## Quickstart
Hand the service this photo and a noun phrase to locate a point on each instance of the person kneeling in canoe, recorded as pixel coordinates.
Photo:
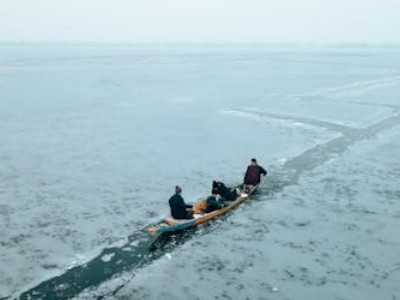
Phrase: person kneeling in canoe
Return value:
(180, 210)
(253, 174)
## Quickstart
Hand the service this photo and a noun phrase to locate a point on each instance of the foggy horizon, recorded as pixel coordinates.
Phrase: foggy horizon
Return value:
(206, 22)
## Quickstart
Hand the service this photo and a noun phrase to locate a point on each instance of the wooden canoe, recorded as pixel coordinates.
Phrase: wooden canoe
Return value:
(171, 225)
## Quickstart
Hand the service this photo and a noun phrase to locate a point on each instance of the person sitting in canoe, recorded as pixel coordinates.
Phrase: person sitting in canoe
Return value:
(180, 210)
(253, 174)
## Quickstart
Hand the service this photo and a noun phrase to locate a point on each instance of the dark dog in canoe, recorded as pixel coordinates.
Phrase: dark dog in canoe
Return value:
(219, 188)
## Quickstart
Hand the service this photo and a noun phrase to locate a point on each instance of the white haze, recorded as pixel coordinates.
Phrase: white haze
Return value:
(206, 21)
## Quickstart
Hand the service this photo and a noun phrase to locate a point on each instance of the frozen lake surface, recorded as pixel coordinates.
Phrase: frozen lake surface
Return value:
(95, 137)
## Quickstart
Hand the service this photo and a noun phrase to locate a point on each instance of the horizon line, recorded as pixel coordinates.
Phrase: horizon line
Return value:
(208, 43)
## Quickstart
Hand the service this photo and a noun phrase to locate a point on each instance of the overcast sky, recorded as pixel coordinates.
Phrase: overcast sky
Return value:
(237, 21)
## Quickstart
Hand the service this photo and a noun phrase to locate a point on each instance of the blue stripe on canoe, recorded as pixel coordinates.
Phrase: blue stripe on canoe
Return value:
(178, 227)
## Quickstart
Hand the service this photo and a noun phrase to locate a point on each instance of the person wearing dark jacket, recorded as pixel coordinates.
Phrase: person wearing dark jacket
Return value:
(253, 173)
(179, 210)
